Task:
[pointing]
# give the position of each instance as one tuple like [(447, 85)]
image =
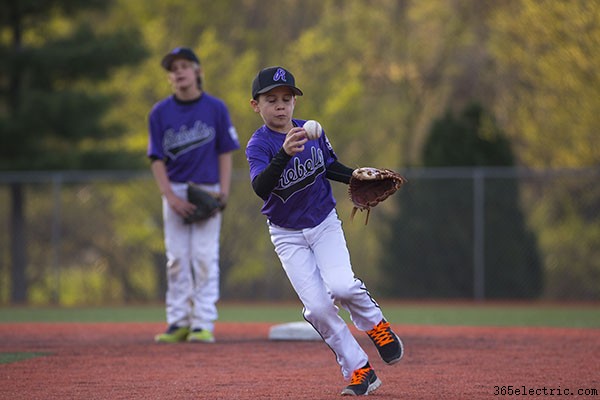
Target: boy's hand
[(294, 141), (181, 206)]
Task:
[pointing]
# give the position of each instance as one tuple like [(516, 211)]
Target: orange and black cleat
[(363, 382), (388, 344)]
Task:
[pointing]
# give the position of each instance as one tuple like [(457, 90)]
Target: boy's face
[(183, 74), (276, 107)]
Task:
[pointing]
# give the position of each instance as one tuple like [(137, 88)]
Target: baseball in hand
[(313, 129)]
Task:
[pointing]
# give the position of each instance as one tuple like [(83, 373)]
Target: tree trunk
[(17, 216)]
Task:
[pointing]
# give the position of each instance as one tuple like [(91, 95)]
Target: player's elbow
[(261, 190)]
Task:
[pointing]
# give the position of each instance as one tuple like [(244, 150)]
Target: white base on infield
[(300, 330)]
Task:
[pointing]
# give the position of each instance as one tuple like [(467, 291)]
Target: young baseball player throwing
[(191, 139), (291, 173)]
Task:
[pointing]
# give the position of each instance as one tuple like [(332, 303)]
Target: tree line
[(77, 79)]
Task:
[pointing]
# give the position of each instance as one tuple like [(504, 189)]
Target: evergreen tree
[(430, 250), (54, 54)]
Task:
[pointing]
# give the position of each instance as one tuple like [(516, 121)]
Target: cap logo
[(279, 75)]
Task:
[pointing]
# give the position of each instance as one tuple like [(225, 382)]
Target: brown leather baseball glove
[(207, 203), (370, 186)]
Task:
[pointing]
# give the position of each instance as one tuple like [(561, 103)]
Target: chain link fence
[(96, 238)]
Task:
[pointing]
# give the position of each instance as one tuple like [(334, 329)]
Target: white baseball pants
[(192, 266), (317, 263)]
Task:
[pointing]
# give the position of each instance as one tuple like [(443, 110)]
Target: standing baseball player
[(191, 139), (291, 174)]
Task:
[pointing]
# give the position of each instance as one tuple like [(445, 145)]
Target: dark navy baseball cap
[(178, 52), (272, 77)]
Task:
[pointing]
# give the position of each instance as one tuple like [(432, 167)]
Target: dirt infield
[(120, 361)]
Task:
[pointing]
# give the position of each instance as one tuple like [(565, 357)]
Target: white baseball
[(313, 129)]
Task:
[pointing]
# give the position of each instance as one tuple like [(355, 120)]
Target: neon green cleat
[(174, 334), (201, 335)]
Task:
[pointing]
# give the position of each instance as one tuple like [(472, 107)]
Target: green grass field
[(468, 314)]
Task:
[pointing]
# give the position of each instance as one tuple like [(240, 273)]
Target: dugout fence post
[(57, 186), (478, 234)]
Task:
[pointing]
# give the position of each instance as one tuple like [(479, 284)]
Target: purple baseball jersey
[(190, 136), (302, 198)]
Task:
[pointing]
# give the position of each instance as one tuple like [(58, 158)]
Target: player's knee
[(173, 268), (174, 263), (341, 292), (207, 267), (321, 317), (318, 310)]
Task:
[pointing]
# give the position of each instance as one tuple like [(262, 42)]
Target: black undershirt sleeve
[(265, 182), (339, 172)]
